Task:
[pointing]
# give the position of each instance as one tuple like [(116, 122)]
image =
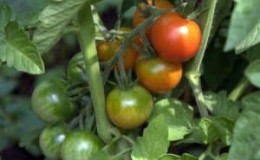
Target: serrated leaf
[(19, 52), (208, 131), (220, 105), (252, 38), (153, 143), (178, 117), (246, 140), (252, 73), (238, 30), (53, 19)]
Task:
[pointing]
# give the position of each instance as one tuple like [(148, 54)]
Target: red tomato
[(174, 38), (158, 75)]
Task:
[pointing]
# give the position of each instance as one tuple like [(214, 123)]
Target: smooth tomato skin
[(75, 70), (174, 38), (107, 49), (51, 103), (51, 139), (129, 108), (80, 145), (158, 75)]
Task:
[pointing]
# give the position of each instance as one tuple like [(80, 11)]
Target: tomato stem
[(239, 89), (86, 37), (194, 71)]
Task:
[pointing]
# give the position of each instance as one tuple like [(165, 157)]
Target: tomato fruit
[(174, 38), (158, 75), (51, 103), (76, 69), (129, 108), (80, 145), (51, 139), (107, 49)]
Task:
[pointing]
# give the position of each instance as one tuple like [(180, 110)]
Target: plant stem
[(239, 89), (194, 72), (86, 37)]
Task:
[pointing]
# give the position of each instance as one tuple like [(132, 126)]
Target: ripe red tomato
[(158, 75), (174, 38), (51, 103), (80, 145), (107, 49), (51, 139), (129, 108)]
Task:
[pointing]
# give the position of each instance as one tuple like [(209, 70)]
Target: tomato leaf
[(185, 156), (220, 105), (178, 117), (252, 73), (18, 51), (239, 30), (246, 139), (5, 15), (53, 20), (25, 126), (101, 155), (252, 38), (145, 148)]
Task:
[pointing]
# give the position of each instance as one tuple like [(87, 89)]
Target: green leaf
[(223, 156), (101, 155), (244, 18), (24, 126), (207, 131), (246, 139), (5, 15), (178, 117), (153, 143), (252, 53), (252, 38), (27, 11), (252, 73), (185, 156), (19, 52), (219, 105), (53, 20)]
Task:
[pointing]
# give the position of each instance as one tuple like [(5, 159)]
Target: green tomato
[(51, 139), (80, 145), (76, 69), (51, 103), (129, 108)]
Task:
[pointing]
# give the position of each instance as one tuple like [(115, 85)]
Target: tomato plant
[(51, 140), (129, 108), (182, 35), (157, 75), (51, 103), (188, 88), (80, 145)]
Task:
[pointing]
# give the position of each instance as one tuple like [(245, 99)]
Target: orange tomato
[(158, 75), (107, 49)]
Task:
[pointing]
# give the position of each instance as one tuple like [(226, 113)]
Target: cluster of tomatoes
[(174, 39)]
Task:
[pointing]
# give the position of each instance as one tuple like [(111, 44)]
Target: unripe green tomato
[(51, 139), (80, 145), (76, 69), (51, 103)]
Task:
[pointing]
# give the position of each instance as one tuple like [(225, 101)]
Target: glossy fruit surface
[(80, 145), (129, 108), (107, 49), (76, 69), (51, 103), (174, 38), (158, 75), (51, 139)]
